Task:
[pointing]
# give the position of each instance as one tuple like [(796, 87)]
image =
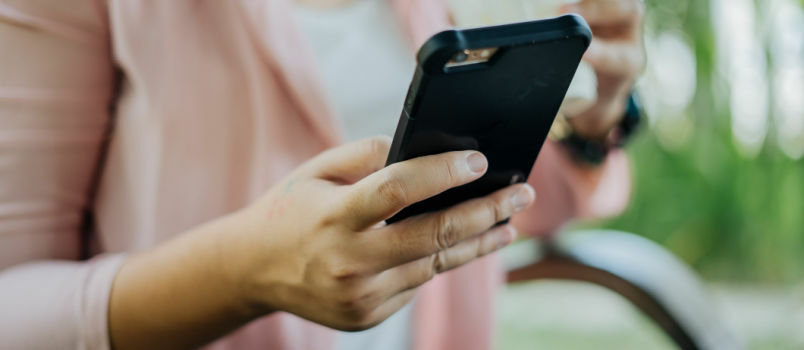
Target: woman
[(178, 144)]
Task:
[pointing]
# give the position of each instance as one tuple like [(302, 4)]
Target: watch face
[(595, 151)]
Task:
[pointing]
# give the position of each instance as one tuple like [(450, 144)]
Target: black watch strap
[(594, 152)]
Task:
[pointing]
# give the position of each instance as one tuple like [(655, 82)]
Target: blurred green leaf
[(731, 217)]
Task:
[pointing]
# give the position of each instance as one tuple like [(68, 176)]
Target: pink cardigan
[(155, 116)]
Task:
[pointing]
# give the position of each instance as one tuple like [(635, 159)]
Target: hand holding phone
[(492, 89)]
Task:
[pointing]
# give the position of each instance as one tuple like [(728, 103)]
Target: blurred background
[(719, 181)]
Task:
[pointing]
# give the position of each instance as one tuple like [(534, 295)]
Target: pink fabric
[(215, 102)]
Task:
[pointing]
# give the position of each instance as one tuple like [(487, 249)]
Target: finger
[(351, 162), (418, 272), (428, 234), (608, 12), (615, 58), (385, 192)]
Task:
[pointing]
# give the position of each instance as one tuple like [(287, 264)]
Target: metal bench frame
[(644, 273)]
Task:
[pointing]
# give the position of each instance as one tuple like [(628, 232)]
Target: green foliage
[(730, 216)]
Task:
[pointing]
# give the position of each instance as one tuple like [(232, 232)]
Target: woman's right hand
[(316, 245)]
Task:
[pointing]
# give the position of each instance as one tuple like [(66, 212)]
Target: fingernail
[(523, 198), (506, 237), (477, 162)]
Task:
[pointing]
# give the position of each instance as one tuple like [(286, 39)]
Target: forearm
[(180, 295)]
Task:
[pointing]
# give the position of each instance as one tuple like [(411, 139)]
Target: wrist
[(181, 294), (242, 264), (590, 145)]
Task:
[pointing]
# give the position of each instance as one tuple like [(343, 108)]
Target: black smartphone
[(492, 89)]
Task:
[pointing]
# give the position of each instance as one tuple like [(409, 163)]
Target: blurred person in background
[(171, 177)]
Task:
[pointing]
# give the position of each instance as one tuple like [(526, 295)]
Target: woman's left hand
[(617, 54)]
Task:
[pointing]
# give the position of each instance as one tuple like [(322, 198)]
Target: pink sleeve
[(55, 90), (57, 304), (566, 190)]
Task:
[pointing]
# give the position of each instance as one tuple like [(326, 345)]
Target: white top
[(366, 65), (365, 61)]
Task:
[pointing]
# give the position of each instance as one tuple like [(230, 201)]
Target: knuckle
[(375, 150), (438, 265), (424, 272), (497, 210), (480, 249), (449, 168), (357, 314), (344, 274), (392, 190), (341, 270), (355, 298), (352, 302), (445, 233), (330, 219), (379, 145)]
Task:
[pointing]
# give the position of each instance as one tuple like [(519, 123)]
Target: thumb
[(351, 162)]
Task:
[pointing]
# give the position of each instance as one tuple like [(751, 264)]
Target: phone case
[(503, 108)]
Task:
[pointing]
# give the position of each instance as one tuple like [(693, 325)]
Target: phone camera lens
[(461, 56)]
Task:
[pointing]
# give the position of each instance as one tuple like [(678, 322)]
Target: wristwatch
[(594, 151)]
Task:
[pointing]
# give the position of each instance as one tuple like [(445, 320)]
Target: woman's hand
[(617, 55), (316, 246)]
